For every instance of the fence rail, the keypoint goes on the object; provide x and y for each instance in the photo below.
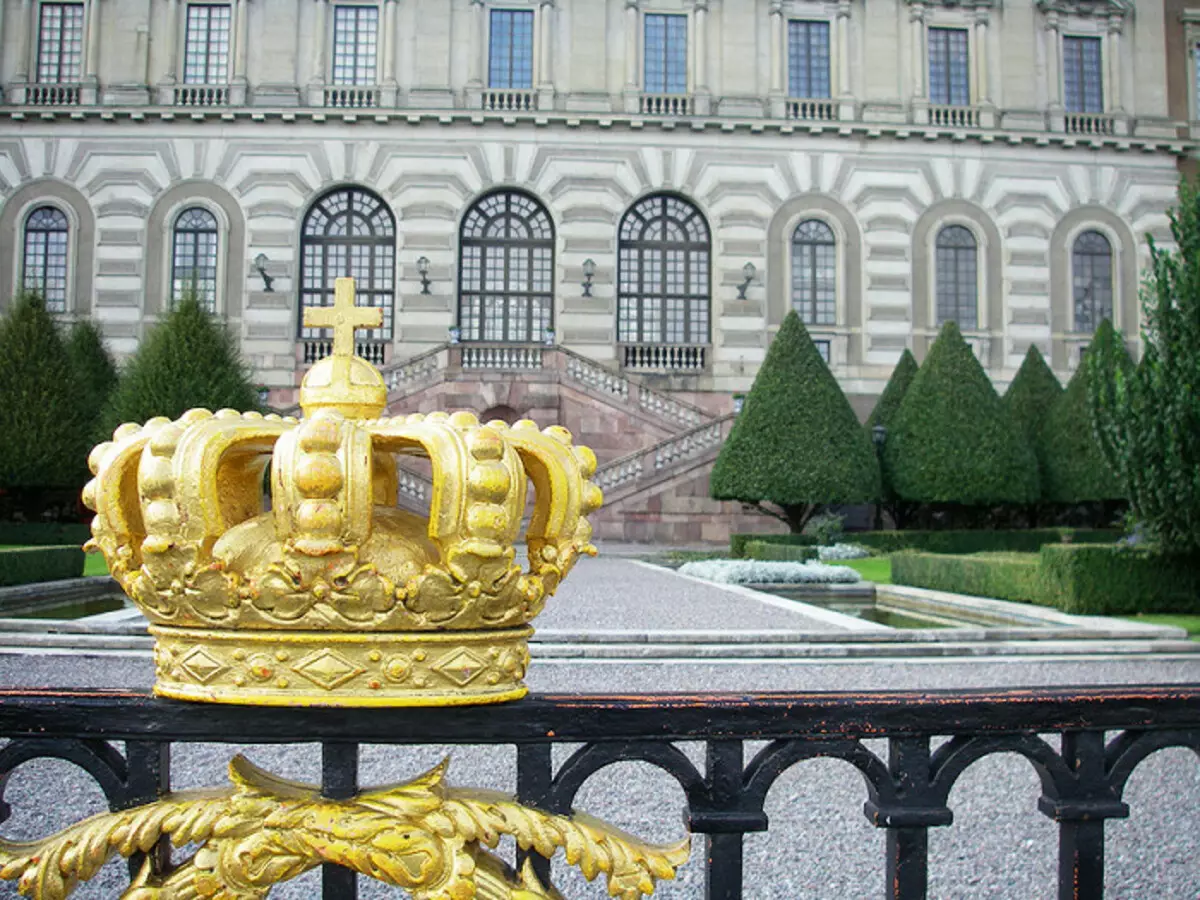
(1105, 734)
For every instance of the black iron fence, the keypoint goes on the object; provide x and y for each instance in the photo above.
(1084, 744)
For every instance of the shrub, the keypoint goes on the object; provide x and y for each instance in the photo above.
(797, 444)
(1031, 394)
(44, 534)
(1148, 418)
(44, 439)
(842, 551)
(738, 542)
(741, 571)
(893, 392)
(1073, 466)
(825, 527)
(36, 564)
(780, 552)
(189, 360)
(1109, 580)
(1012, 576)
(951, 440)
(95, 372)
(959, 542)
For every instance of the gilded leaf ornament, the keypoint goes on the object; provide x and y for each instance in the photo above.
(424, 836)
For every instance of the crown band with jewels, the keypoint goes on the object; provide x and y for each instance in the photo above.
(332, 595)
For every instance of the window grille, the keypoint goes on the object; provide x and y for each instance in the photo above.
(510, 49)
(44, 261)
(1083, 79)
(349, 232)
(949, 67)
(355, 34)
(507, 274)
(194, 257)
(957, 277)
(206, 49)
(1092, 280)
(663, 283)
(666, 54)
(808, 59)
(814, 273)
(60, 43)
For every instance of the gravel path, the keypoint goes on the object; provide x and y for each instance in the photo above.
(819, 845)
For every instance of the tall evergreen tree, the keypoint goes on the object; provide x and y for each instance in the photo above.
(797, 444)
(1074, 469)
(894, 391)
(1148, 417)
(189, 360)
(1032, 392)
(95, 371)
(44, 436)
(951, 441)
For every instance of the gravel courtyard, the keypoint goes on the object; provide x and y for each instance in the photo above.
(819, 845)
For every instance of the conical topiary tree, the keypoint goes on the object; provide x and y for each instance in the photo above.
(893, 393)
(951, 441)
(44, 436)
(95, 371)
(1074, 469)
(1032, 392)
(189, 360)
(797, 445)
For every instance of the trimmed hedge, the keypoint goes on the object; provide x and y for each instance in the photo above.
(1004, 576)
(893, 393)
(1074, 469)
(738, 542)
(1032, 392)
(765, 550)
(35, 564)
(1112, 580)
(44, 534)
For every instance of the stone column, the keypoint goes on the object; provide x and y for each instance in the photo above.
(387, 78)
(475, 47)
(169, 59)
(241, 45)
(920, 60)
(703, 96)
(547, 20)
(25, 40)
(319, 75)
(983, 74)
(776, 98)
(633, 100)
(89, 92)
(844, 88)
(1055, 119)
(1115, 25)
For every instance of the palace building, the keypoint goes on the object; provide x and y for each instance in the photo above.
(597, 212)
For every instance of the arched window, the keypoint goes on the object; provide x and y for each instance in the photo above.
(1092, 280)
(194, 256)
(506, 284)
(44, 261)
(663, 254)
(957, 277)
(814, 273)
(349, 232)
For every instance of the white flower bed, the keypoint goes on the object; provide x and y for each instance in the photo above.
(843, 551)
(752, 571)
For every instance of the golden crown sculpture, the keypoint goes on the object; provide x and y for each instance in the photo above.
(329, 594)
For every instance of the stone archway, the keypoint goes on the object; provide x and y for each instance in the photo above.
(500, 411)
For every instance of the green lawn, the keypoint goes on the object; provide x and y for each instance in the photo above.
(1190, 624)
(874, 568)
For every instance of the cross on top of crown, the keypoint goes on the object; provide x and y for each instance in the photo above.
(343, 317)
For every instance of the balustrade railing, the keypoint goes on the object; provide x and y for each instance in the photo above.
(345, 97)
(692, 444)
(812, 110)
(374, 352)
(664, 357)
(954, 116)
(52, 95)
(509, 101)
(1090, 123)
(413, 372)
(666, 104)
(591, 374)
(201, 95)
(414, 486)
(513, 357)
(911, 748)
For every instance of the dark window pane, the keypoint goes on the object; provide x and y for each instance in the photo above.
(510, 50)
(808, 59)
(506, 283)
(665, 54)
(44, 261)
(1092, 280)
(1083, 79)
(206, 49)
(957, 277)
(663, 273)
(949, 67)
(349, 232)
(60, 43)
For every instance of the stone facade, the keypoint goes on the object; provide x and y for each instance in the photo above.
(126, 140)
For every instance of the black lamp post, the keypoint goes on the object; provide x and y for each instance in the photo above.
(589, 272)
(423, 271)
(260, 264)
(879, 438)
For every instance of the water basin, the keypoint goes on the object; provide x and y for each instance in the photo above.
(74, 609)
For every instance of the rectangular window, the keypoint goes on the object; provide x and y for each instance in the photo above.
(823, 350)
(949, 67)
(1083, 81)
(510, 49)
(60, 43)
(206, 49)
(808, 59)
(355, 32)
(666, 54)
